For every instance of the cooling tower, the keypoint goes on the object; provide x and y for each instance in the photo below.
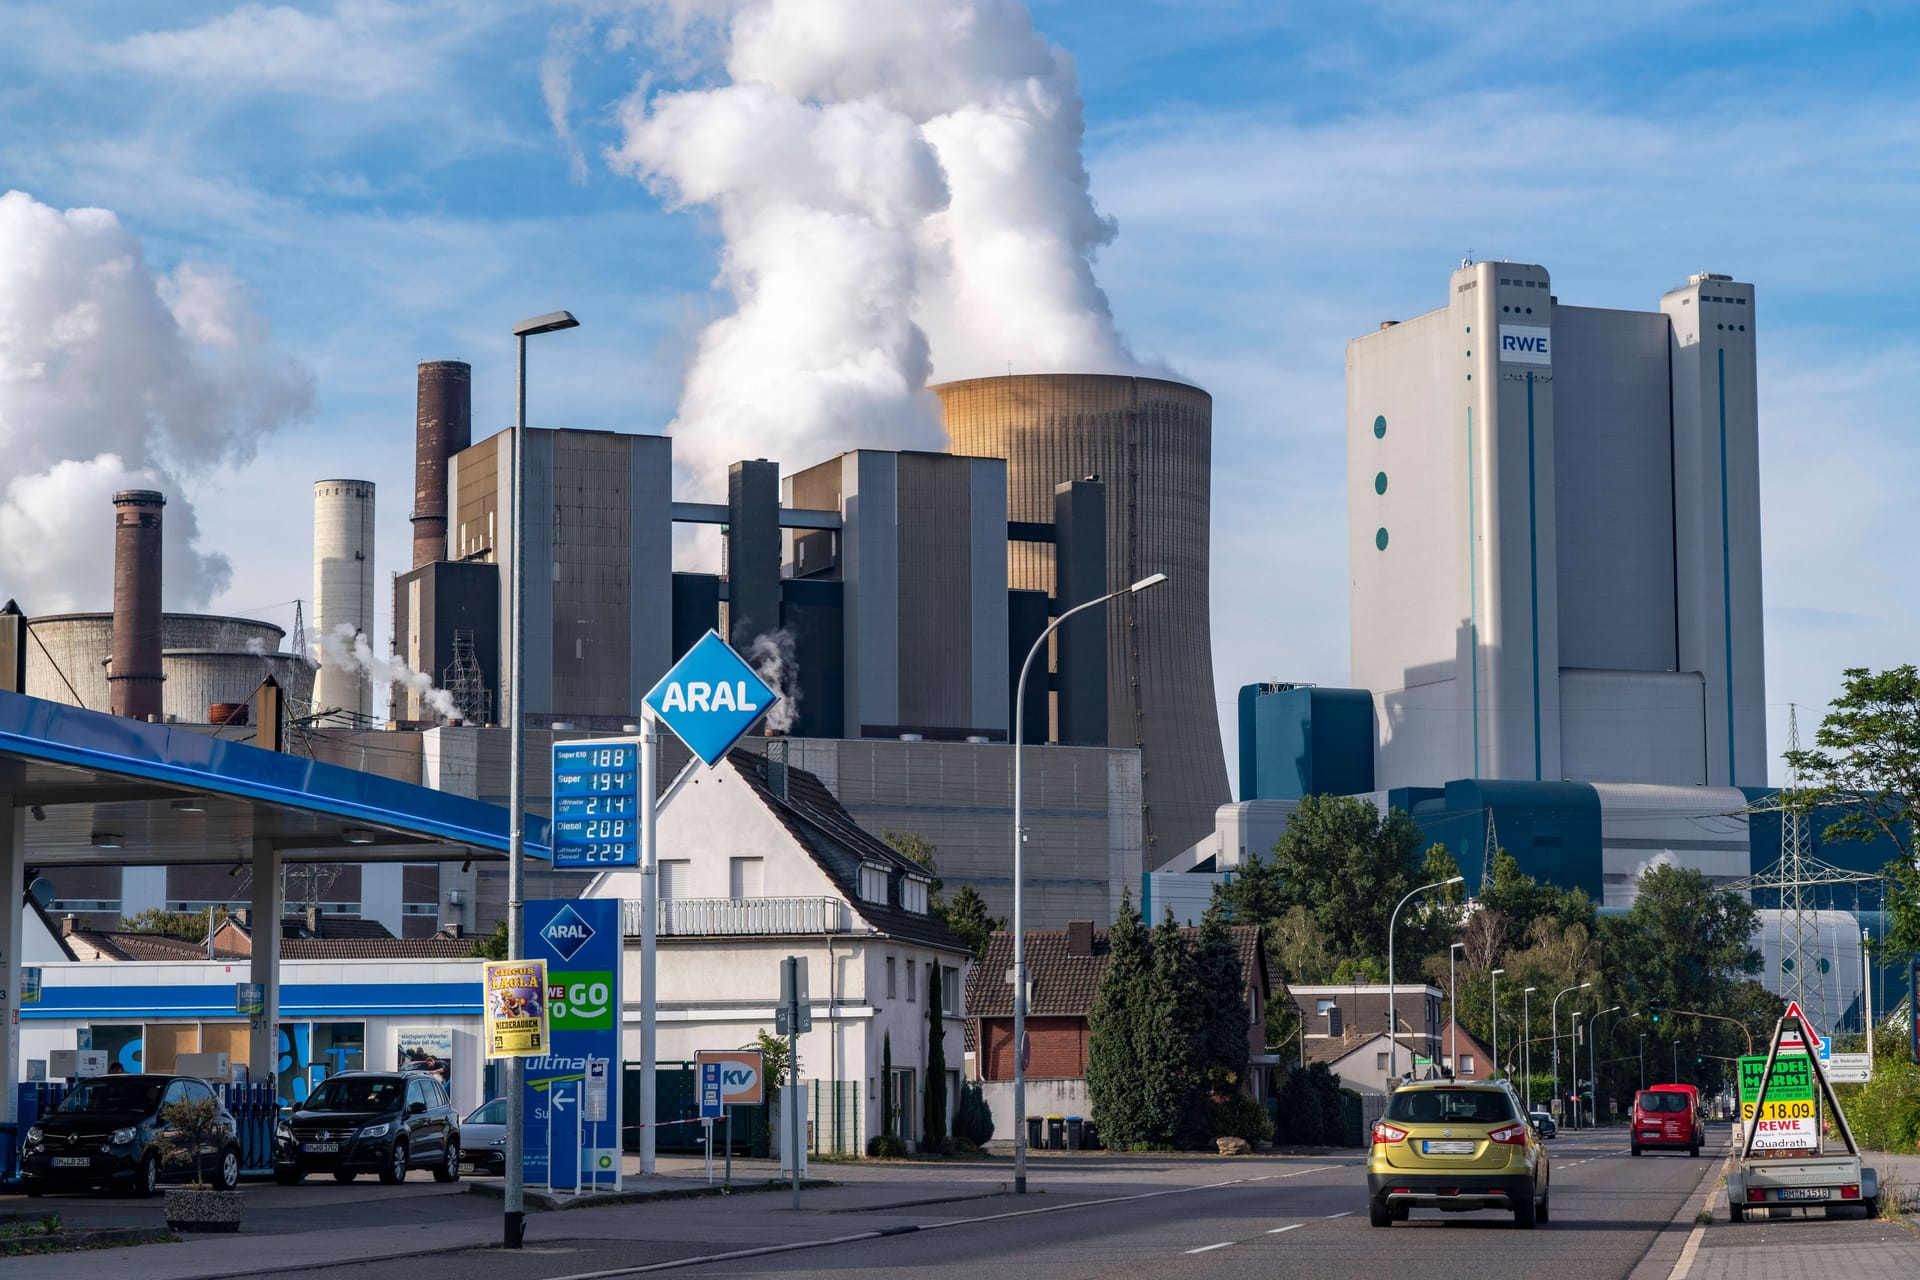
(443, 426)
(342, 589)
(135, 680)
(1151, 442)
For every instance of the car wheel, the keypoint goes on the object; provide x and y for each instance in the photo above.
(1399, 1212)
(1871, 1204)
(1636, 1148)
(33, 1188)
(146, 1180)
(288, 1177)
(1378, 1213)
(1694, 1150)
(1541, 1212)
(1735, 1213)
(396, 1169)
(227, 1177)
(1524, 1215)
(343, 1175)
(449, 1170)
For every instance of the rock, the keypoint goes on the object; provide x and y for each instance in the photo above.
(1233, 1146)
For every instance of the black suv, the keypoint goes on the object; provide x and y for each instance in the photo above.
(383, 1122)
(106, 1132)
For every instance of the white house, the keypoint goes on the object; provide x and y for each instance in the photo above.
(758, 861)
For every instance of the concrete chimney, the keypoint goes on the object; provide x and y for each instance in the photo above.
(135, 677)
(443, 427)
(343, 590)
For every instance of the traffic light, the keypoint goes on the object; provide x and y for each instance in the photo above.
(1656, 1013)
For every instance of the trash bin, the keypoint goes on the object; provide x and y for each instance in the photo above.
(1076, 1133)
(1091, 1134)
(1056, 1133)
(1034, 1139)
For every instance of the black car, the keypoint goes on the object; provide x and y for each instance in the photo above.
(383, 1122)
(106, 1132)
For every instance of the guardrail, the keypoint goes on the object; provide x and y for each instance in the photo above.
(709, 917)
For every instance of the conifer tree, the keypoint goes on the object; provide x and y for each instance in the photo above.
(935, 1107)
(886, 1085)
(1114, 1074)
(1223, 1018)
(1166, 1039)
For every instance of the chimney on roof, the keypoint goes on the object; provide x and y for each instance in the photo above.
(313, 921)
(453, 930)
(68, 925)
(1080, 937)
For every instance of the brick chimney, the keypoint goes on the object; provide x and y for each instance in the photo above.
(1080, 937)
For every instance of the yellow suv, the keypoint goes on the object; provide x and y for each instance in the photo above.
(1449, 1144)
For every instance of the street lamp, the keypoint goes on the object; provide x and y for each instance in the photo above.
(1495, 975)
(1526, 1042)
(515, 1221)
(1573, 1069)
(1643, 1059)
(1393, 1013)
(1453, 1007)
(1556, 1035)
(1019, 898)
(1593, 1047)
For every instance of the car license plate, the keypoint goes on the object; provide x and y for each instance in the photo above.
(319, 1148)
(1447, 1148)
(1801, 1193)
(1649, 1133)
(71, 1162)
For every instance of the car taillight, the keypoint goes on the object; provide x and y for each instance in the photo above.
(1384, 1132)
(1755, 1193)
(1850, 1191)
(1514, 1135)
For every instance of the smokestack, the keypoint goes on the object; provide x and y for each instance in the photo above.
(443, 427)
(136, 675)
(343, 589)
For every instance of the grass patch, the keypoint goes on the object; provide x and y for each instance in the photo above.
(1704, 1218)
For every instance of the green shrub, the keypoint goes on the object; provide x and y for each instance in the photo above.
(1884, 1113)
(1238, 1117)
(962, 1147)
(885, 1146)
(1309, 1107)
(973, 1118)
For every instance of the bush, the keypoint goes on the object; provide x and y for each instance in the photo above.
(885, 1146)
(1884, 1113)
(1238, 1117)
(1309, 1107)
(962, 1147)
(973, 1118)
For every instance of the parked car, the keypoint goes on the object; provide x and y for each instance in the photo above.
(1456, 1146)
(1543, 1124)
(381, 1122)
(107, 1130)
(483, 1137)
(1667, 1117)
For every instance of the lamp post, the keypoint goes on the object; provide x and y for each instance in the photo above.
(1556, 1035)
(515, 1219)
(1593, 1049)
(1526, 1042)
(1393, 1012)
(1643, 1059)
(1573, 1069)
(1019, 899)
(1495, 975)
(1453, 1007)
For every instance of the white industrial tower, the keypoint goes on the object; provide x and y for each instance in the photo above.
(342, 591)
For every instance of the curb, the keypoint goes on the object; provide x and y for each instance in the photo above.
(1670, 1256)
(1000, 1189)
(81, 1238)
(552, 1203)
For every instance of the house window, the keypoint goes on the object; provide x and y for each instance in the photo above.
(676, 878)
(950, 991)
(893, 986)
(913, 895)
(1321, 1006)
(1466, 1064)
(1380, 1061)
(912, 986)
(873, 883)
(746, 877)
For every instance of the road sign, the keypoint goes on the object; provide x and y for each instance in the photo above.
(740, 1074)
(593, 1103)
(712, 1095)
(596, 805)
(571, 1112)
(1850, 1068)
(710, 697)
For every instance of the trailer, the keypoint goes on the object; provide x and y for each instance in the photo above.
(1777, 1170)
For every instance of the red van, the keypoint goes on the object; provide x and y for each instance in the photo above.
(1667, 1117)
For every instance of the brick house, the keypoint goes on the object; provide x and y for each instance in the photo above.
(1467, 1057)
(1066, 966)
(1345, 1027)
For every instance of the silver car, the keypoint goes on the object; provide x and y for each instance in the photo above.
(483, 1137)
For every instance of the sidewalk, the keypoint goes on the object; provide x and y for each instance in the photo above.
(1815, 1246)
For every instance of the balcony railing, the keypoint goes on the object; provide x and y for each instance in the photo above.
(711, 917)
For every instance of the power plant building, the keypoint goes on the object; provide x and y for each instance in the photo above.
(1554, 536)
(343, 534)
(1150, 443)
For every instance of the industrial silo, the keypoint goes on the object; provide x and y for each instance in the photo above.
(342, 592)
(1151, 442)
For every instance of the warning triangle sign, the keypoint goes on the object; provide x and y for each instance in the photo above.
(1791, 1023)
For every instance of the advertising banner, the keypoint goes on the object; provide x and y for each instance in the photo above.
(740, 1082)
(428, 1049)
(572, 1108)
(516, 1008)
(1788, 1121)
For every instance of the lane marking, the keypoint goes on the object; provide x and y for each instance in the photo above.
(1293, 1226)
(1209, 1248)
(1347, 1214)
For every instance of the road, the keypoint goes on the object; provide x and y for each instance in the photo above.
(1194, 1218)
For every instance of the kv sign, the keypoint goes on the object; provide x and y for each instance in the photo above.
(740, 1082)
(1525, 344)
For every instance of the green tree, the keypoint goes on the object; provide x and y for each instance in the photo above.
(1345, 864)
(1115, 1079)
(189, 925)
(1522, 900)
(967, 917)
(775, 1069)
(492, 947)
(934, 1106)
(886, 1086)
(1221, 996)
(1168, 1049)
(1864, 770)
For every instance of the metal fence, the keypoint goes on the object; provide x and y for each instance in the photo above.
(709, 917)
(254, 1107)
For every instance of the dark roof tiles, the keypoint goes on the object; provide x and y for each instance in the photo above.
(1064, 985)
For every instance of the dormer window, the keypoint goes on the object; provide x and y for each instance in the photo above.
(873, 883)
(913, 895)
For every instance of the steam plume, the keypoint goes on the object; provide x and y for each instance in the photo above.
(902, 196)
(113, 376)
(345, 649)
(771, 656)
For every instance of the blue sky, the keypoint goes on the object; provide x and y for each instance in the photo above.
(385, 183)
